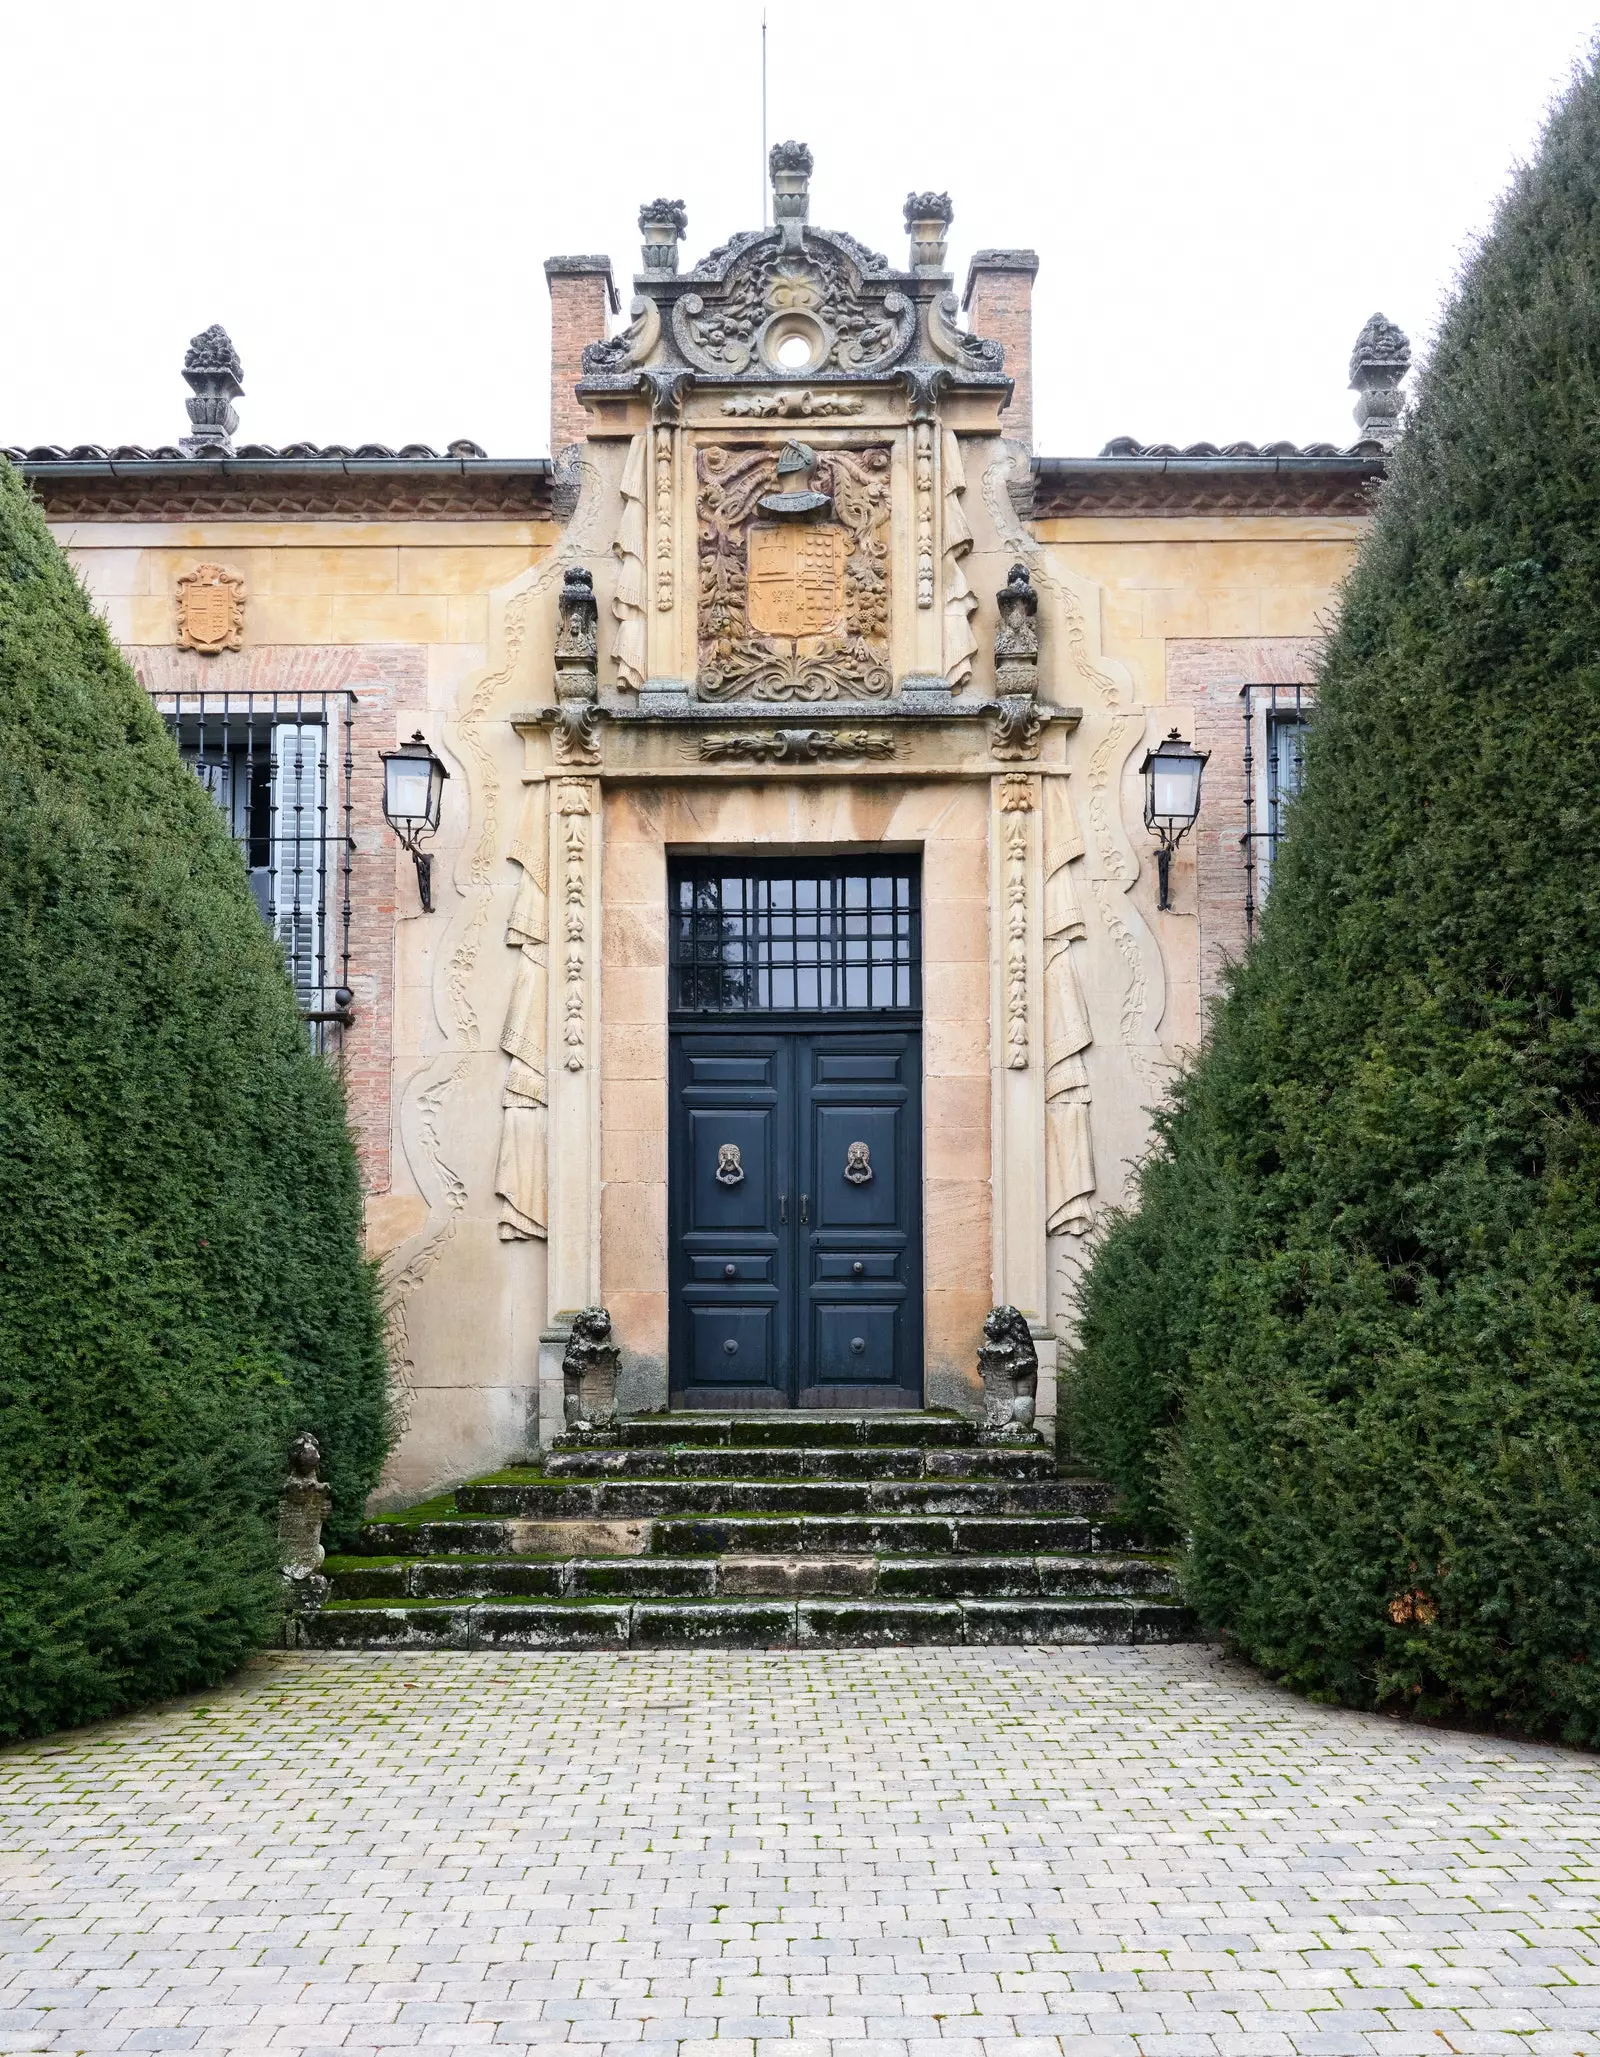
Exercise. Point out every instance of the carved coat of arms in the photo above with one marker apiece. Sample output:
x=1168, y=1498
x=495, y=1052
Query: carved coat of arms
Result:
x=210, y=610
x=794, y=587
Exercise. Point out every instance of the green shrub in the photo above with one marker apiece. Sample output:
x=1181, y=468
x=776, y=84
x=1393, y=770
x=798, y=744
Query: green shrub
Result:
x=1370, y=1227
x=181, y=1278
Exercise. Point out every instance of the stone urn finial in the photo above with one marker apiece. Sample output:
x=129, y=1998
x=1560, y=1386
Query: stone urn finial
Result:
x=662, y=223
x=1378, y=366
x=577, y=666
x=216, y=378
x=928, y=219
x=790, y=166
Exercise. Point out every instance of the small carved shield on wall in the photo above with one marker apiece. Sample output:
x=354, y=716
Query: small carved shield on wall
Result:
x=210, y=610
x=797, y=578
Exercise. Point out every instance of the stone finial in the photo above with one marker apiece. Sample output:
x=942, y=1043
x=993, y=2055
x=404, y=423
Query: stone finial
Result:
x=928, y=219
x=1016, y=641
x=1009, y=1365
x=1378, y=365
x=577, y=656
x=589, y=1372
x=790, y=165
x=216, y=377
x=662, y=224
x=304, y=1504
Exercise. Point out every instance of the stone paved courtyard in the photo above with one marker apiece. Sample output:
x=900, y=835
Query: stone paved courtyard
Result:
x=1019, y=1851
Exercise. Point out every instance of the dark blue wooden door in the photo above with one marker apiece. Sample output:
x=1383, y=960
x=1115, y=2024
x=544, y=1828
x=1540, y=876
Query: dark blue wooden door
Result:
x=795, y=1182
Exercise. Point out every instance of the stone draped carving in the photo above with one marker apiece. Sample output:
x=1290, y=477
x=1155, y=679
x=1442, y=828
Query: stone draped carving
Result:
x=847, y=658
x=1016, y=804
x=960, y=602
x=1069, y=1144
x=628, y=605
x=520, y=1177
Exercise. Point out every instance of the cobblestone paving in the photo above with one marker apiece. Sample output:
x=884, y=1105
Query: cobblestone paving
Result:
x=742, y=1854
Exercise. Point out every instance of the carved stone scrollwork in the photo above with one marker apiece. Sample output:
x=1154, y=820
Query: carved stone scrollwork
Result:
x=794, y=746
x=1017, y=729
x=951, y=341
x=1009, y=1365
x=575, y=736
x=636, y=344
x=783, y=405
x=589, y=1373
x=1016, y=804
x=794, y=609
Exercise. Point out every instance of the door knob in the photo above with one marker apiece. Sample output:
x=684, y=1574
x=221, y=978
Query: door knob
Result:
x=858, y=1269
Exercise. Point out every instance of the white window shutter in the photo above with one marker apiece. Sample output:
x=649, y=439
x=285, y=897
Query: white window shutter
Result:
x=299, y=807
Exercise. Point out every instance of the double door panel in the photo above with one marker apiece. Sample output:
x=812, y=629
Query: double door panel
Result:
x=795, y=1179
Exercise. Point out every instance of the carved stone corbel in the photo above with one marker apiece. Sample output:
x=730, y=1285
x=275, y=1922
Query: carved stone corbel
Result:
x=576, y=733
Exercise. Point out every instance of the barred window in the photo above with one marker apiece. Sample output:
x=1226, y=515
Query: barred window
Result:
x=278, y=765
x=785, y=935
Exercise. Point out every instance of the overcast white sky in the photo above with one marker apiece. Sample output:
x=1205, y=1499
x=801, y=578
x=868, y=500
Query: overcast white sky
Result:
x=363, y=191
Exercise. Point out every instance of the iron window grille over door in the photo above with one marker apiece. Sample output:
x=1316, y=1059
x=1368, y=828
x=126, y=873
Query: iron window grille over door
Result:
x=785, y=935
x=279, y=767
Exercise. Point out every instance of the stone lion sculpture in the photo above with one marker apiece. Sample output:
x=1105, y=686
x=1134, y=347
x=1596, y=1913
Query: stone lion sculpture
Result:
x=589, y=1371
x=1010, y=1367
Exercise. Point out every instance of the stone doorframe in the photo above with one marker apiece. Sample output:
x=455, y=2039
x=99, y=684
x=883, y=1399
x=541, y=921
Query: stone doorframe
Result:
x=979, y=834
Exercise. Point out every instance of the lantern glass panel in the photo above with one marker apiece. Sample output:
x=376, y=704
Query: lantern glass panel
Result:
x=407, y=793
x=1174, y=790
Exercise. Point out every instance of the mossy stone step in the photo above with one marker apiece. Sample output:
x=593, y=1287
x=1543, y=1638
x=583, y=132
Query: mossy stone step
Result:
x=886, y=1463
x=678, y=1624
x=625, y=1499
x=759, y=1429
x=743, y=1577
x=751, y=1535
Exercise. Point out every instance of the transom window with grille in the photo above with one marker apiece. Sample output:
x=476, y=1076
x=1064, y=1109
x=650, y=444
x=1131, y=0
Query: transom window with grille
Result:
x=278, y=766
x=785, y=935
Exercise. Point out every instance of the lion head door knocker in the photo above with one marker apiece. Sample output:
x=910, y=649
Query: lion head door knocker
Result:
x=730, y=1172
x=858, y=1164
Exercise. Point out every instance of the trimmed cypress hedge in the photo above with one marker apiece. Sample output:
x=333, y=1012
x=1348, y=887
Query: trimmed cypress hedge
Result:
x=1349, y=1342
x=182, y=1285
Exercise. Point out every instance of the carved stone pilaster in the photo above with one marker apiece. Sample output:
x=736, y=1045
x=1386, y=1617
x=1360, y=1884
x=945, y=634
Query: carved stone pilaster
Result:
x=1016, y=805
x=664, y=523
x=923, y=435
x=1378, y=365
x=577, y=664
x=572, y=804
x=214, y=374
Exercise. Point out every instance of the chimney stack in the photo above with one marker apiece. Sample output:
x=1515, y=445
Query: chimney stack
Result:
x=998, y=303
x=581, y=292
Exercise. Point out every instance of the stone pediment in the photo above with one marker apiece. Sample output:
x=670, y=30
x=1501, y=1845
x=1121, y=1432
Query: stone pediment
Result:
x=771, y=306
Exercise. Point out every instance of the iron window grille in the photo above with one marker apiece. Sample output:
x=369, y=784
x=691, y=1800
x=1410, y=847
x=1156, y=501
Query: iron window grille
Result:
x=786, y=936
x=279, y=766
x=1285, y=713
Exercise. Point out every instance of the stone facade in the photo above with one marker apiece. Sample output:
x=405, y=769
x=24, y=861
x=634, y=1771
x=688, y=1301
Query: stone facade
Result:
x=794, y=583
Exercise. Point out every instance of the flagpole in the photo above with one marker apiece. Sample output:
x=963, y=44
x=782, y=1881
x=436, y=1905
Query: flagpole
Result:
x=763, y=117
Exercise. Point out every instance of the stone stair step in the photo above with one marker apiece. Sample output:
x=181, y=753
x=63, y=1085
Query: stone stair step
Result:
x=761, y=1428
x=666, y=1624
x=1108, y=1576
x=623, y=1499
x=887, y=1464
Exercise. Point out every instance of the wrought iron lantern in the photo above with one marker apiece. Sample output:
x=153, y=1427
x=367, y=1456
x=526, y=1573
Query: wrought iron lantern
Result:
x=413, y=791
x=1172, y=773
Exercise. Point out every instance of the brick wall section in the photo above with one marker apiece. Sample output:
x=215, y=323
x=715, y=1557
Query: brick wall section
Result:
x=390, y=687
x=999, y=303
x=581, y=296
x=1203, y=681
